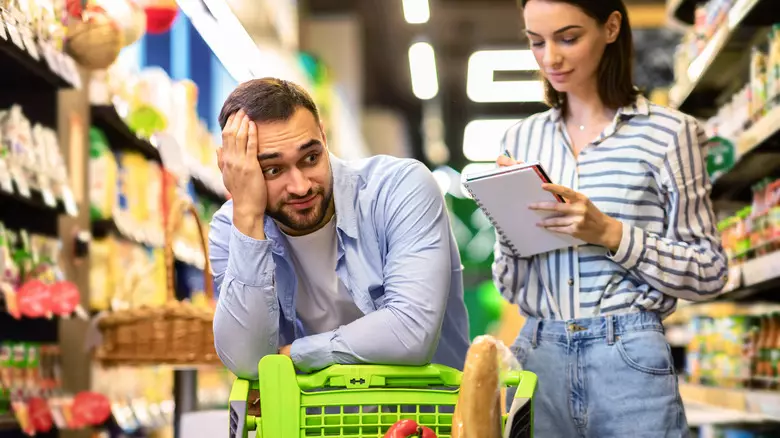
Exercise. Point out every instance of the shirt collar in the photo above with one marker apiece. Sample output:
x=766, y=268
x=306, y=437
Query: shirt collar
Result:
x=345, y=182
x=640, y=107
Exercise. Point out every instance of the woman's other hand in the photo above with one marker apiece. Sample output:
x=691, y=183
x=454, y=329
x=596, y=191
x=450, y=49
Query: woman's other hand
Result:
x=578, y=217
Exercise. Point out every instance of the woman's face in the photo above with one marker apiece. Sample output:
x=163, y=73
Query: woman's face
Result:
x=567, y=43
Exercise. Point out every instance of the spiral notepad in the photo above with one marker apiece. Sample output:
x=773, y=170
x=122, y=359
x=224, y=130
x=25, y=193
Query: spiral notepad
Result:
x=504, y=195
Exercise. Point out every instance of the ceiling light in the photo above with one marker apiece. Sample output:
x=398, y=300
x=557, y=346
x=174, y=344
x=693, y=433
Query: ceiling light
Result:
x=422, y=65
x=416, y=11
x=482, y=87
x=482, y=138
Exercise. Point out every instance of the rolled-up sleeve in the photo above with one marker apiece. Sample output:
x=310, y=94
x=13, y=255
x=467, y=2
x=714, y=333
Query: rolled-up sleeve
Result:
x=688, y=261
x=246, y=321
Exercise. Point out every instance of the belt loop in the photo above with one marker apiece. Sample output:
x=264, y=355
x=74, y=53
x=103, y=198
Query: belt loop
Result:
x=610, y=329
x=535, y=334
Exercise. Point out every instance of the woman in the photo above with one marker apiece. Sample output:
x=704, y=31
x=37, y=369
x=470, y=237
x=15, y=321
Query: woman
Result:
x=636, y=191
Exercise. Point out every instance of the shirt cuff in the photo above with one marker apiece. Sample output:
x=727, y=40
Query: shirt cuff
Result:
x=250, y=260
x=631, y=248
x=312, y=353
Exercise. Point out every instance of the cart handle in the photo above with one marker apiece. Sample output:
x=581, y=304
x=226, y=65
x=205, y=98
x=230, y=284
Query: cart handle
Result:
x=366, y=376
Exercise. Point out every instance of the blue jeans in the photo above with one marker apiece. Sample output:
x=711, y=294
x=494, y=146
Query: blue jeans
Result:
x=602, y=377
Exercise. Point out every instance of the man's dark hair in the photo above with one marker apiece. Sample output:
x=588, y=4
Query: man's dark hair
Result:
x=267, y=100
x=616, y=70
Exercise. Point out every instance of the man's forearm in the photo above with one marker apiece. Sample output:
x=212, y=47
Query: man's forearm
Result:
x=396, y=338
x=246, y=322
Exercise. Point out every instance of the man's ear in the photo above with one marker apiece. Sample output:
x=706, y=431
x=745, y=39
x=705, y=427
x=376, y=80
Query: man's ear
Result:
x=613, y=26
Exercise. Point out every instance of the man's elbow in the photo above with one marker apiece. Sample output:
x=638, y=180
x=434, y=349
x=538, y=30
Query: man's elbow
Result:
x=241, y=360
x=239, y=352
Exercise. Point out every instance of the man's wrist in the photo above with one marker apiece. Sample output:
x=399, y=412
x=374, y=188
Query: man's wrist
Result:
x=250, y=224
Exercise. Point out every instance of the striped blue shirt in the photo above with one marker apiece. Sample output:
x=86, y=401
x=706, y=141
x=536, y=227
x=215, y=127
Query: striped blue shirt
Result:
x=647, y=170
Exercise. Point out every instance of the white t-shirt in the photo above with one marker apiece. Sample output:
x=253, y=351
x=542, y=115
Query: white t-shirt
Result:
x=323, y=302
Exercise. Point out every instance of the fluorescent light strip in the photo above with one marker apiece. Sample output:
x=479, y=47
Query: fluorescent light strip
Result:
x=217, y=39
x=416, y=11
x=422, y=66
x=482, y=138
x=481, y=87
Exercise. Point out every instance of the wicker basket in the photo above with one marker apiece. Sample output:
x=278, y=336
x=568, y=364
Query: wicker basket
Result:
x=179, y=332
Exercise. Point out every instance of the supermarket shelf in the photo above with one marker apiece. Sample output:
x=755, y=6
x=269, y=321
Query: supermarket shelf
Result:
x=119, y=134
x=759, y=280
x=755, y=405
x=723, y=59
x=208, y=191
x=207, y=182
x=699, y=415
x=28, y=329
x=682, y=10
x=758, y=157
x=182, y=252
x=678, y=335
x=8, y=423
x=32, y=214
x=21, y=70
x=105, y=227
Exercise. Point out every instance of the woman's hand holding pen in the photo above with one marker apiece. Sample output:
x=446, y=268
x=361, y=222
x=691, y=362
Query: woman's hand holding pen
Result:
x=506, y=160
x=578, y=217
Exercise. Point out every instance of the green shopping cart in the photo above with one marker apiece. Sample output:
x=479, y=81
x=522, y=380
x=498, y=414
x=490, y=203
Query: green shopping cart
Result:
x=360, y=401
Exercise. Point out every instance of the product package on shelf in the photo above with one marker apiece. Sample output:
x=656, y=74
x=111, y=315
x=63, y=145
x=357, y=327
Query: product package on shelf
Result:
x=751, y=105
x=163, y=111
x=736, y=346
x=140, y=396
x=38, y=27
x=31, y=391
x=755, y=230
x=31, y=160
x=31, y=281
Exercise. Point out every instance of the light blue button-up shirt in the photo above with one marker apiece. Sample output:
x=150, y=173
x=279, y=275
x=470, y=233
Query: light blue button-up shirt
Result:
x=396, y=256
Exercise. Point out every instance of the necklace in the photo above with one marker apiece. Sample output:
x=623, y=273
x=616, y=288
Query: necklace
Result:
x=582, y=127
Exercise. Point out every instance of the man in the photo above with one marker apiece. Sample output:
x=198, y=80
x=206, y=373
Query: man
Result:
x=324, y=260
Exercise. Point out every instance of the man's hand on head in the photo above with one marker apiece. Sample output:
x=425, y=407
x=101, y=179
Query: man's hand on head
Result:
x=242, y=174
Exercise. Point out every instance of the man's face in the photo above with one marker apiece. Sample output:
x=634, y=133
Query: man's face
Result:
x=295, y=163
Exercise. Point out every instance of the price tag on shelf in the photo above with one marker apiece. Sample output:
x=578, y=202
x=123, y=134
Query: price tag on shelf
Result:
x=45, y=187
x=21, y=182
x=29, y=42
x=6, y=181
x=70, y=202
x=49, y=56
x=70, y=71
x=3, y=33
x=13, y=30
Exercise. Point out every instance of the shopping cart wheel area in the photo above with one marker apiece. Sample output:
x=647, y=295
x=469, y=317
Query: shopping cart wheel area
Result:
x=360, y=401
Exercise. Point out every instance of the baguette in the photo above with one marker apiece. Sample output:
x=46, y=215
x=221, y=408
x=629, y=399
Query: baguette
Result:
x=478, y=410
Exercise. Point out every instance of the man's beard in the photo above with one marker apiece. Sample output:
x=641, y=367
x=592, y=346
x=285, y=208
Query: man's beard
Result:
x=301, y=221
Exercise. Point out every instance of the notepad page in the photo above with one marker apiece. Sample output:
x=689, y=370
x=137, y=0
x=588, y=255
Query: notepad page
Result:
x=505, y=198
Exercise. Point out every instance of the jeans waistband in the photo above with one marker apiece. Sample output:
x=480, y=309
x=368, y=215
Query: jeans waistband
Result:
x=607, y=327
